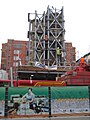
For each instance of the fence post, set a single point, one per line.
(49, 95)
(6, 102)
(89, 96)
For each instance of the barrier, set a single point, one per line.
(48, 101)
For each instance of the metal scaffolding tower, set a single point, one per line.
(46, 33)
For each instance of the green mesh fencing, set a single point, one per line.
(56, 92)
(2, 93)
(69, 92)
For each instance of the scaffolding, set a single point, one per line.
(46, 33)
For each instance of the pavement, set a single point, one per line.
(52, 118)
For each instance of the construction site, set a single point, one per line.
(60, 87)
(46, 39)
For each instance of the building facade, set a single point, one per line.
(70, 53)
(13, 53)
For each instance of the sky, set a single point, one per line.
(14, 20)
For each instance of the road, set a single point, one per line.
(52, 118)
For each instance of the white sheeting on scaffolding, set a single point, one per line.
(40, 65)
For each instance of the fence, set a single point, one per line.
(46, 100)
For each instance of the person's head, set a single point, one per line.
(29, 90)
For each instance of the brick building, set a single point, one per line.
(13, 52)
(70, 53)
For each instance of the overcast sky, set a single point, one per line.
(14, 20)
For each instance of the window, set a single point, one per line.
(8, 57)
(17, 45)
(8, 64)
(15, 64)
(16, 51)
(15, 58)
